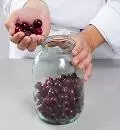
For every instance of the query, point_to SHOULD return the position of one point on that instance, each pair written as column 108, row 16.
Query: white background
column 4, row 44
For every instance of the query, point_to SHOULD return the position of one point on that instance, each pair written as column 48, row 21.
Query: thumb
column 46, row 29
column 10, row 25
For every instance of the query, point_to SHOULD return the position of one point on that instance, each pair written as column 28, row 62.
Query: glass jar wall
column 58, row 85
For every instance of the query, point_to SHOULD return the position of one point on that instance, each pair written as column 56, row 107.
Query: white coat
column 68, row 16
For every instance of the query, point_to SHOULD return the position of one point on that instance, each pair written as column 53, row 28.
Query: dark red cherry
column 38, row 31
column 30, row 28
column 18, row 29
column 37, row 23
column 24, row 25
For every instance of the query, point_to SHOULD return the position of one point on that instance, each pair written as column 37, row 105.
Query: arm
column 28, row 11
column 93, row 37
column 105, row 26
column 107, row 22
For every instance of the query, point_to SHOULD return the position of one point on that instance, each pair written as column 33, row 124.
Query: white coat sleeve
column 107, row 21
column 10, row 5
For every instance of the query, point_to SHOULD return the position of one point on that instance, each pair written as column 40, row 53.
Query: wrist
column 93, row 37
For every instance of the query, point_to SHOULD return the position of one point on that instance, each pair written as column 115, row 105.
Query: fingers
column 77, row 50
column 16, row 38
column 87, row 66
column 46, row 27
column 85, row 62
column 24, row 43
column 40, row 39
column 27, row 42
column 45, row 33
column 88, row 72
column 45, row 30
column 80, row 57
column 33, row 44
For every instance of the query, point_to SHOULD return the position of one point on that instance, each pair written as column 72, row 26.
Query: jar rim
column 59, row 38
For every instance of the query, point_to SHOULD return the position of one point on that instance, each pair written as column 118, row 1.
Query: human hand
column 82, row 57
column 86, row 42
column 29, row 14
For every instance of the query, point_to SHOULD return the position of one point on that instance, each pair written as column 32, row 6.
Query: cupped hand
column 28, row 15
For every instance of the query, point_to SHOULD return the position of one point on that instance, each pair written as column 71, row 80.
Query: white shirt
column 68, row 16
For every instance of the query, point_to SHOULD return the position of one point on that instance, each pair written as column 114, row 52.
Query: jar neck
column 66, row 43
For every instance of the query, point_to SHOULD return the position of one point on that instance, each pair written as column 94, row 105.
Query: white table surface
column 102, row 98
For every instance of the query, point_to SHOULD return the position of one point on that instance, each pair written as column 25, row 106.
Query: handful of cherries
column 28, row 29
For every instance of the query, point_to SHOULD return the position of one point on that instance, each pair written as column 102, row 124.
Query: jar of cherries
column 58, row 85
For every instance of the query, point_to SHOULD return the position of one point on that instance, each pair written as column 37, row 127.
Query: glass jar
column 58, row 85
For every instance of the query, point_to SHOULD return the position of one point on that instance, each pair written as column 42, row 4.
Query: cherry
column 38, row 31
column 63, row 116
column 49, row 109
column 61, row 96
column 66, row 103
column 18, row 29
column 24, row 25
column 67, row 110
column 40, row 108
column 59, row 106
column 52, row 116
column 37, row 23
column 66, row 96
column 38, row 85
column 29, row 29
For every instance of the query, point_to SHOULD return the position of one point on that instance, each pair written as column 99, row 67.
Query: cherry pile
column 61, row 99
column 28, row 29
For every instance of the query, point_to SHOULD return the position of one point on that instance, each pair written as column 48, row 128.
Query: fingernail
column 22, row 34
column 86, row 79
column 74, row 52
column 10, row 31
column 31, row 50
column 33, row 40
column 75, row 61
column 39, row 41
column 82, row 67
